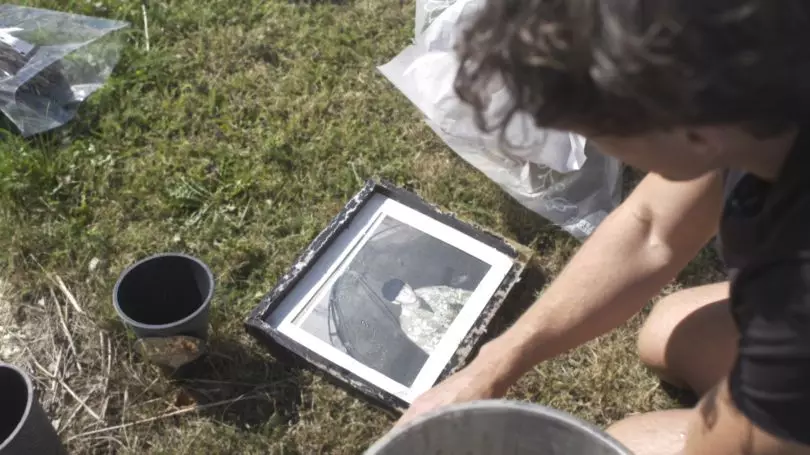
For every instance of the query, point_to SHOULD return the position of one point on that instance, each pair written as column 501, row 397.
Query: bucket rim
column 500, row 404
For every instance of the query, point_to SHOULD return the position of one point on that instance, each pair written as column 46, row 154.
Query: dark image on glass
column 392, row 305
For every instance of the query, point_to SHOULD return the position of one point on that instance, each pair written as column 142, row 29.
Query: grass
column 236, row 137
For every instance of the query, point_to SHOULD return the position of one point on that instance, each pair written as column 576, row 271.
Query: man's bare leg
column 689, row 340
column 653, row 433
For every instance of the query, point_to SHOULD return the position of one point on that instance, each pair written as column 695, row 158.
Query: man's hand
column 469, row 384
column 637, row 250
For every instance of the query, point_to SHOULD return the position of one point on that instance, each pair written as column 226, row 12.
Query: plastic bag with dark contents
column 50, row 62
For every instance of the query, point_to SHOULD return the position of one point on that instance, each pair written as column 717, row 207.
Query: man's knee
column 655, row 334
column 663, row 339
column 653, row 433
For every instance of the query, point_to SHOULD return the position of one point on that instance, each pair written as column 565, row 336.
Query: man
column 710, row 97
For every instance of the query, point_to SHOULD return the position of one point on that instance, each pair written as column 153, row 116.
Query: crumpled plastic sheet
column 557, row 174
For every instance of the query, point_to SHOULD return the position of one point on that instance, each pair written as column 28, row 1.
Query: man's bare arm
column 631, row 256
column 640, row 247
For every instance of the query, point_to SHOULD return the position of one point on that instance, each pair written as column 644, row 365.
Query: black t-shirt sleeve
column 770, row 381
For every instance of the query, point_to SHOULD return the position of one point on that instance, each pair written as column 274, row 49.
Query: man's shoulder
column 787, row 225
column 788, row 207
column 775, row 269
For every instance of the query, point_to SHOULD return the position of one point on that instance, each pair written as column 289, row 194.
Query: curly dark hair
column 625, row 67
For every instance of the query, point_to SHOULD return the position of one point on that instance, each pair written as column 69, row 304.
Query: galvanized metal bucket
column 498, row 427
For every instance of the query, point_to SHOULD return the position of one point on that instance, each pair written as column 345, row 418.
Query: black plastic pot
column 165, row 295
column 498, row 426
column 24, row 426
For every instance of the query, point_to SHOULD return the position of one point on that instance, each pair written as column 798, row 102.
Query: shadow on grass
column 527, row 226
column 523, row 225
column 523, row 295
column 683, row 397
column 230, row 371
column 529, row 229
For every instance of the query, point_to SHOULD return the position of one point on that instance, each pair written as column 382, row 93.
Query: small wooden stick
column 145, row 24
column 67, row 332
column 70, row 418
column 104, row 407
column 70, row 298
column 69, row 391
column 56, row 370
column 82, row 402
column 124, row 409
column 109, row 361
column 163, row 416
column 39, row 366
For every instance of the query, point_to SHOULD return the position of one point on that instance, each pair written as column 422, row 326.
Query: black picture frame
column 286, row 349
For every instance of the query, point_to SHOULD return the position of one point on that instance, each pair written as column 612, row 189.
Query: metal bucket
column 497, row 427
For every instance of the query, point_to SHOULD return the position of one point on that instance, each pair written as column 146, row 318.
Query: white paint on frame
column 311, row 290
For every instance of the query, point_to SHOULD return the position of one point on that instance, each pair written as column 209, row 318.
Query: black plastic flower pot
column 165, row 295
column 24, row 426
column 498, row 426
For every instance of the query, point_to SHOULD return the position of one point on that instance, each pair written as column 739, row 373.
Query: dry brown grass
column 103, row 399
column 71, row 362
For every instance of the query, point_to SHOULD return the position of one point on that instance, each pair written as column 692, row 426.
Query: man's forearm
column 618, row 270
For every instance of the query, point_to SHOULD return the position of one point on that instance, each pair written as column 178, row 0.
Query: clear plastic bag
column 553, row 173
column 437, row 30
column 50, row 62
column 577, row 201
column 432, row 75
column 427, row 11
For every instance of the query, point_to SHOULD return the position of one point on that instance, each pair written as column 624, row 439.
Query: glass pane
column 396, row 299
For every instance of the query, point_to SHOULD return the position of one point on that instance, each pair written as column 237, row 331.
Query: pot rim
column 29, row 389
column 205, row 304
